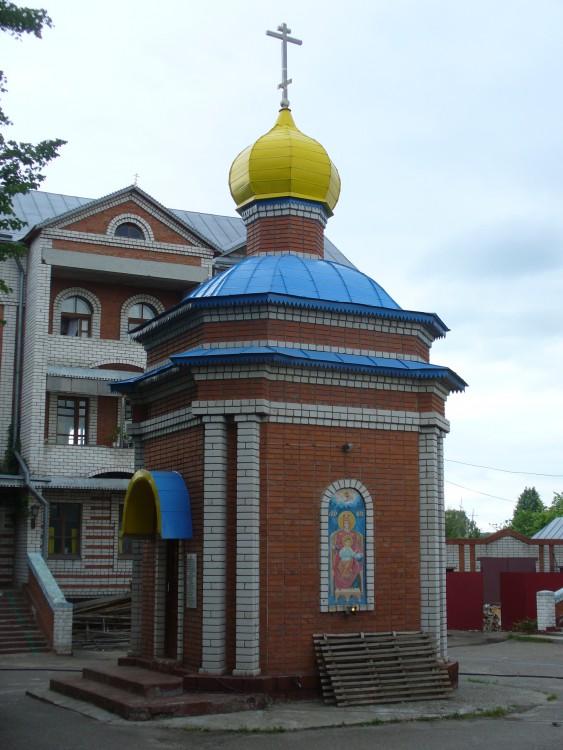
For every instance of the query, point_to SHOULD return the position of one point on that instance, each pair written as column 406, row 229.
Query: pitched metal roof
column 553, row 530
column 224, row 232
column 315, row 358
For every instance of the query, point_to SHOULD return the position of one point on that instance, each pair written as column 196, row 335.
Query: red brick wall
column 183, row 452
column 285, row 233
column 107, row 419
column 322, row 335
column 98, row 223
column 297, row 465
column 112, row 298
column 306, row 393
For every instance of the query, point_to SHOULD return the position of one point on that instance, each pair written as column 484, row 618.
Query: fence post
column 545, row 603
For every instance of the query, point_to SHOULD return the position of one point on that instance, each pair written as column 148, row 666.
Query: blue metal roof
column 290, row 275
column 157, row 501
column 126, row 385
column 324, row 359
column 302, row 282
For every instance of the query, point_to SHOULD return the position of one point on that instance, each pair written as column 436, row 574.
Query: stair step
column 143, row 682
column 142, row 708
column 19, row 632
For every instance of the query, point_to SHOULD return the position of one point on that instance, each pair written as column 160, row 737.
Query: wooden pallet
column 362, row 668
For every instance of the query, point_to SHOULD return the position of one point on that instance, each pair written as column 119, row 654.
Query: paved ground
column 518, row 683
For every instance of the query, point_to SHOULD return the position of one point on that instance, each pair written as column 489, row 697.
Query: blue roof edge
column 129, row 384
column 431, row 319
column 314, row 358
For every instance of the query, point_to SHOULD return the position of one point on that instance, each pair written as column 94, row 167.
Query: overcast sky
column 445, row 120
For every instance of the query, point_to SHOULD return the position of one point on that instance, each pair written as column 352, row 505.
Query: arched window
column 76, row 317
column 130, row 230
column 139, row 314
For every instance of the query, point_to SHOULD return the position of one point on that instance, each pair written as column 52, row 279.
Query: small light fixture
column 347, row 447
column 351, row 610
column 34, row 511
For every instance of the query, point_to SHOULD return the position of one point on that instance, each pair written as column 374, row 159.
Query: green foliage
column 531, row 515
column 458, row 525
column 529, row 500
column 525, row 626
column 17, row 21
column 21, row 164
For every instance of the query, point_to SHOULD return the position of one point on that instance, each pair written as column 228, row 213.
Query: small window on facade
column 139, row 314
column 64, row 528
column 130, row 230
column 76, row 317
column 124, row 545
column 72, row 421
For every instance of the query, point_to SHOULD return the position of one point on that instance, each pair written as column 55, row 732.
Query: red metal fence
column 518, row 594
column 464, row 597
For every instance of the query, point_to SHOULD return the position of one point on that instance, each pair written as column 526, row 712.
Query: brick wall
column 112, row 298
column 107, row 420
column 98, row 223
column 352, row 334
column 298, row 462
column 295, row 234
column 98, row 569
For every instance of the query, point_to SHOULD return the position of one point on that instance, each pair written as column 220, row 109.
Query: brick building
column 95, row 269
column 290, row 408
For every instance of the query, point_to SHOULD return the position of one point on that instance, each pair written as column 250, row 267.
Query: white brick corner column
column 432, row 537
column 248, row 547
column 214, row 621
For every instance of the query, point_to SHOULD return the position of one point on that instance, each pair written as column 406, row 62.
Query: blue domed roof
column 302, row 278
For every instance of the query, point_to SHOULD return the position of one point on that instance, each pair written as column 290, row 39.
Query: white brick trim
column 136, row 299
column 77, row 291
column 248, row 547
column 432, row 537
column 139, row 222
column 214, row 616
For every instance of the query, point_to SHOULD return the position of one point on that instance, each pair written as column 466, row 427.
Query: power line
column 505, row 471
column 481, row 493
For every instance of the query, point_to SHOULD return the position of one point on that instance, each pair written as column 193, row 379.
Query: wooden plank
column 363, row 668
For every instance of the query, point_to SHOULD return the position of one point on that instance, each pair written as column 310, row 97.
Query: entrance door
column 171, row 600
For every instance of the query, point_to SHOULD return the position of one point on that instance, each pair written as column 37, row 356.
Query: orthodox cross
column 284, row 36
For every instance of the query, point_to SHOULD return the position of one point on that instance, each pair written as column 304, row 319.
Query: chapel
column 288, row 438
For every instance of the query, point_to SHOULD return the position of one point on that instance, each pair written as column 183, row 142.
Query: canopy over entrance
column 157, row 502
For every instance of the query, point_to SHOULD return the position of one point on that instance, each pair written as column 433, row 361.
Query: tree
column 529, row 500
column 21, row 164
column 458, row 525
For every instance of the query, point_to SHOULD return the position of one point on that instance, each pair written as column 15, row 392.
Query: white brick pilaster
column 248, row 546
column 432, row 537
column 214, row 655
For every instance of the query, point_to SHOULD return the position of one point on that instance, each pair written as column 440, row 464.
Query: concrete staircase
column 140, row 694
column 19, row 633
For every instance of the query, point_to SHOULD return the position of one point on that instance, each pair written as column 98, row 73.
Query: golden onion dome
column 284, row 163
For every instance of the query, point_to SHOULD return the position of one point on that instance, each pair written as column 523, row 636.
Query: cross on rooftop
column 284, row 36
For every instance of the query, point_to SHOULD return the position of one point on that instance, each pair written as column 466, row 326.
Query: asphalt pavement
column 501, row 679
